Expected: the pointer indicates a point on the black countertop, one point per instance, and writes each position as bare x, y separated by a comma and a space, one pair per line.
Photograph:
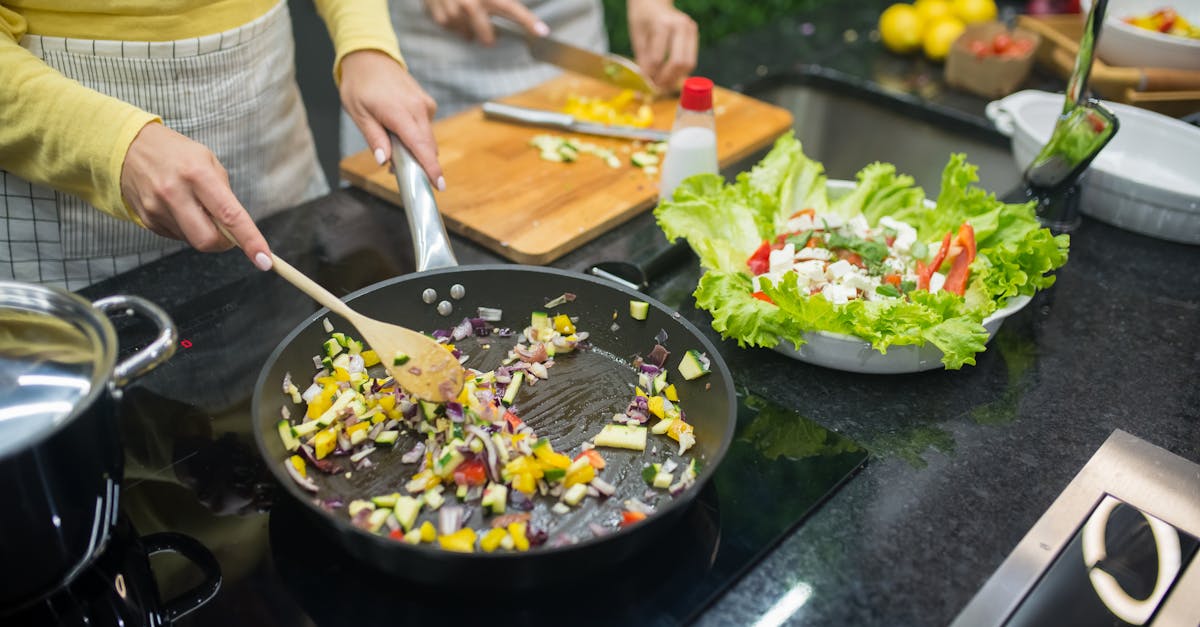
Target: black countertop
963, 462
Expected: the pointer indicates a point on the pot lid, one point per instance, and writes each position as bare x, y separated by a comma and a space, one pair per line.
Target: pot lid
55, 351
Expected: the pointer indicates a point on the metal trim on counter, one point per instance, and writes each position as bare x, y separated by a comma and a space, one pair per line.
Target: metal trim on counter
1128, 469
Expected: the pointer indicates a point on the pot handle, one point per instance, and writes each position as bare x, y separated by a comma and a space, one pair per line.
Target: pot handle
1001, 117
197, 554
431, 245
154, 353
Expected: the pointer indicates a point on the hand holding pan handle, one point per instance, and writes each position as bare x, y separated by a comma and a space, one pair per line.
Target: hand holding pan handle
431, 246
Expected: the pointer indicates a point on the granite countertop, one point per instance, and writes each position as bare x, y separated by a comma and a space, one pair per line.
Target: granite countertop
963, 462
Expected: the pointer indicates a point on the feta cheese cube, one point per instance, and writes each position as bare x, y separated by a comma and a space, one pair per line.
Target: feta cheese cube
936, 281
781, 260
799, 223
814, 270
858, 225
821, 254
838, 294
838, 269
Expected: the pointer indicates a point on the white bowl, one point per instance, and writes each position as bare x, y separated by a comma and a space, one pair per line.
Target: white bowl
1146, 180
854, 354
1127, 45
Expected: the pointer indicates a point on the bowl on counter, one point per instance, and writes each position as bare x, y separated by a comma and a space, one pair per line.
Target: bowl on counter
1146, 180
1127, 45
854, 354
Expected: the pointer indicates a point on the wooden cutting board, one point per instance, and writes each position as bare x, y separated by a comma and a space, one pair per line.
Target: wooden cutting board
501, 194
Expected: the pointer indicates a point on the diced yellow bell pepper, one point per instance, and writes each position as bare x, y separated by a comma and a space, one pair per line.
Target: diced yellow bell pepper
461, 541
370, 358
492, 539
341, 374
678, 427
326, 381
358, 426
638, 391
322, 402
299, 465
563, 324
583, 475
428, 533
324, 442
671, 393
387, 403
655, 404
546, 455
517, 531
449, 347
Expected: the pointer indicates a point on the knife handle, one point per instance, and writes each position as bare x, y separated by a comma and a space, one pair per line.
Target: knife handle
537, 117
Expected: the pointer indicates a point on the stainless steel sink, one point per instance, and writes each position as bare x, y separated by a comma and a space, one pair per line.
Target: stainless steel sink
848, 131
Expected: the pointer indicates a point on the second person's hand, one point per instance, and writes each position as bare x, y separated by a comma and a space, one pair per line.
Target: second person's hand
381, 96
178, 189
472, 18
665, 41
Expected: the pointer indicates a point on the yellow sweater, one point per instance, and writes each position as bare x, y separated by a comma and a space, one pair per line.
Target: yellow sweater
56, 132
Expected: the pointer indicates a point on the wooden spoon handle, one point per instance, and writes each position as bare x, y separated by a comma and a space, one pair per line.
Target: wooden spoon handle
302, 282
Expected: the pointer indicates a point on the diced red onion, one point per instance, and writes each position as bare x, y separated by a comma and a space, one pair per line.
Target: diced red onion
362, 454
450, 519
539, 370
355, 364
362, 518
364, 463
661, 337
492, 457
474, 493
562, 539
669, 466
504, 332
490, 314
324, 465
301, 480
603, 487
635, 505
597, 530
414, 454
658, 355
566, 297
287, 382
343, 441
317, 362
462, 330
507, 519
332, 504
681, 485
285, 413
593, 492
454, 411
391, 522
375, 431
311, 393
440, 334
530, 355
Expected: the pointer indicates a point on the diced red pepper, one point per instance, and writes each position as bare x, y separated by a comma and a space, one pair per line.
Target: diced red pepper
760, 261
628, 517
894, 279
814, 242
852, 257
763, 297
396, 534
513, 420
470, 473
594, 459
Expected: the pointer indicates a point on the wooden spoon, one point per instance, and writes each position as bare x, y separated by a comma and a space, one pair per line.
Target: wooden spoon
429, 373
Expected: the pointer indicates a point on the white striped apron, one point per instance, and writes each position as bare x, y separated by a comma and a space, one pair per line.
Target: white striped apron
459, 74
235, 92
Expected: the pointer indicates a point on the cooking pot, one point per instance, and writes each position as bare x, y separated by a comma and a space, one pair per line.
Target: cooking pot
61, 461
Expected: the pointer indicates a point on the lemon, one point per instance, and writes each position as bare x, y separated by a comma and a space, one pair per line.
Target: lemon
940, 35
900, 28
932, 10
974, 11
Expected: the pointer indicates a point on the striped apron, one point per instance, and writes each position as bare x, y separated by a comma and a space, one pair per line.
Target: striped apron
459, 74
235, 92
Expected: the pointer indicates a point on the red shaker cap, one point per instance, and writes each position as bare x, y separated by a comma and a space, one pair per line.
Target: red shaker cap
697, 94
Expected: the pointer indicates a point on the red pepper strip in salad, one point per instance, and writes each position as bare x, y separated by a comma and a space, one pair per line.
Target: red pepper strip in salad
760, 262
810, 212
960, 268
924, 272
471, 473
513, 421
763, 297
593, 458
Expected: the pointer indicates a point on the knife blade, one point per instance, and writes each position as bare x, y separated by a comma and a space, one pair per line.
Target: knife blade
566, 122
610, 68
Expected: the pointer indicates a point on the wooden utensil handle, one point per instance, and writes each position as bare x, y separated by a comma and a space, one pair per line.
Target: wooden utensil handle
1166, 79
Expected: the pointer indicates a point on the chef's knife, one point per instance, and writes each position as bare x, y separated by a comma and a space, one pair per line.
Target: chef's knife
610, 68
553, 119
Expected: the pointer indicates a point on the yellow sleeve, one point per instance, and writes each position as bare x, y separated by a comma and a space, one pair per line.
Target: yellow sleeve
358, 25
59, 133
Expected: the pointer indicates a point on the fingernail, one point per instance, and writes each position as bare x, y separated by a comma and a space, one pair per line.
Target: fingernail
441, 183
262, 261
541, 29
379, 156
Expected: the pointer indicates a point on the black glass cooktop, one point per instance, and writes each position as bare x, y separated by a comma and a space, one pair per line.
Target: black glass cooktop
192, 465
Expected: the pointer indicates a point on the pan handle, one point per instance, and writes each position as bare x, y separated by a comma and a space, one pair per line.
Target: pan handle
153, 354
431, 245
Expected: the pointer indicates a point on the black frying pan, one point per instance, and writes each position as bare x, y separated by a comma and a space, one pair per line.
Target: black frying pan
582, 393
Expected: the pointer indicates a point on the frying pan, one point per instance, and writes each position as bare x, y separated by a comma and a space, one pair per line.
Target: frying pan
581, 395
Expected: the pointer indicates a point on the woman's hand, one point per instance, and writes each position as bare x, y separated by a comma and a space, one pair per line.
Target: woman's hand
381, 96
179, 189
470, 18
665, 41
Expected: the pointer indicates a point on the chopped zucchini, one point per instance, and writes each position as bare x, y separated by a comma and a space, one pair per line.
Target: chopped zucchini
663, 479
643, 159
386, 500
434, 499
510, 394
693, 365
495, 497
332, 347
358, 505
305, 429
377, 518
554, 474
353, 346
622, 436
575, 494
342, 361
290, 441
661, 426
638, 309
406, 510
449, 460
343, 401
539, 320
387, 438
660, 382
429, 410
650, 472
399, 359
340, 338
